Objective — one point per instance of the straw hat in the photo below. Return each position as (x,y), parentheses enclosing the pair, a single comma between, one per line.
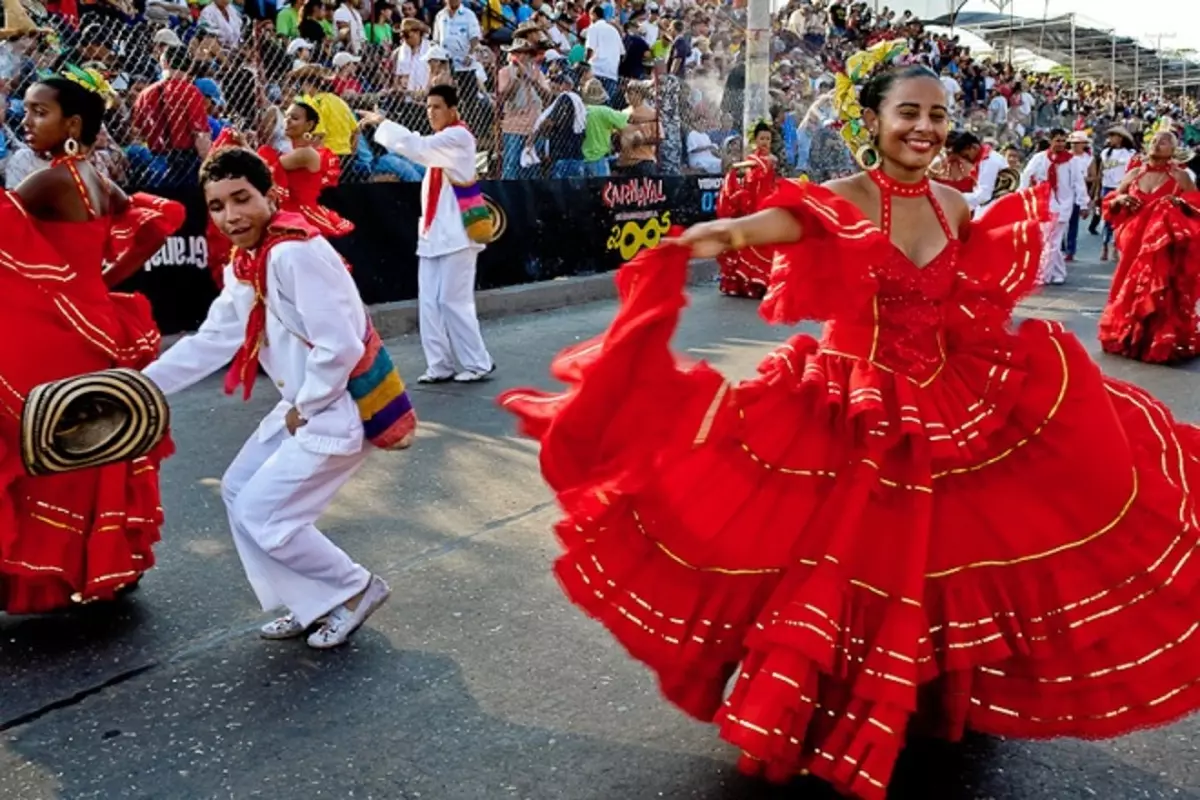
(594,93)
(1079,137)
(519,45)
(1123,132)
(17,22)
(413,24)
(91,420)
(303,71)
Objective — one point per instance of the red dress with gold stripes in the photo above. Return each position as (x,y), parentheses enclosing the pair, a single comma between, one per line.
(1151,311)
(79,536)
(746,273)
(861,536)
(300,191)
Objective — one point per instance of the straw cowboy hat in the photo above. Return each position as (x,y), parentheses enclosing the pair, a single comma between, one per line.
(1126,136)
(1079,137)
(413,24)
(17,22)
(594,93)
(91,420)
(520,45)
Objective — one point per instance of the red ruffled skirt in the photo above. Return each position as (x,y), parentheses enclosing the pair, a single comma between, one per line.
(1006,548)
(1151,310)
(80,536)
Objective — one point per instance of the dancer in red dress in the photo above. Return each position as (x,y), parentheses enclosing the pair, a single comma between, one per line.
(79,536)
(1151,311)
(746,273)
(860,537)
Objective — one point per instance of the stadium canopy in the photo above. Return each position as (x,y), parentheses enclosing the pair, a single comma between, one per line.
(1094,51)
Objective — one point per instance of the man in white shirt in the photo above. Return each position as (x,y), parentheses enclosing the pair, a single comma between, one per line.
(410,56)
(1068,189)
(456,28)
(446,274)
(290,306)
(1114,163)
(987,164)
(223,19)
(605,49)
(1081,160)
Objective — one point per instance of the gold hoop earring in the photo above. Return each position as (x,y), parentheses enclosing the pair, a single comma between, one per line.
(307,136)
(71,146)
(868,157)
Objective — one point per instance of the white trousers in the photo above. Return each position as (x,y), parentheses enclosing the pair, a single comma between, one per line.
(1056,265)
(274,491)
(449,327)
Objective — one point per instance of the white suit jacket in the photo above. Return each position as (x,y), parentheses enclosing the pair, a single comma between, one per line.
(452,150)
(985,186)
(1071,190)
(310,297)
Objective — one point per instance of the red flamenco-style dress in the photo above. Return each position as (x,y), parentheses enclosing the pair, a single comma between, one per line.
(861,536)
(746,273)
(297,191)
(79,536)
(1151,311)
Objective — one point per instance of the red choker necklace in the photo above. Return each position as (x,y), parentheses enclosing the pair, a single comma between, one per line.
(1159,167)
(890,186)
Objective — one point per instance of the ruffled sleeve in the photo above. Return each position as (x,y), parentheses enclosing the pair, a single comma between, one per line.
(1002,255)
(829,272)
(138,233)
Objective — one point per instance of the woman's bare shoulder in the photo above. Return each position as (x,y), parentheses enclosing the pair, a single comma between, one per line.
(44,192)
(958,213)
(856,188)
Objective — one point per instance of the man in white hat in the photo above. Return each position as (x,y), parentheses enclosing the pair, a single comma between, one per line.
(410,67)
(1082,160)
(446,254)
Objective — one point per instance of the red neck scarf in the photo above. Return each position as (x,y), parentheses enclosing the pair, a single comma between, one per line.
(1056,161)
(250,266)
(437,177)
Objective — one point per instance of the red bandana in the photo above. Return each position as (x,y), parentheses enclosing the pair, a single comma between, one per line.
(436,176)
(251,267)
(1056,161)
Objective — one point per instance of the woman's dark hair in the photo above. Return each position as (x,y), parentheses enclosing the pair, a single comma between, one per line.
(446,92)
(963,140)
(76,101)
(761,127)
(231,163)
(310,113)
(877,87)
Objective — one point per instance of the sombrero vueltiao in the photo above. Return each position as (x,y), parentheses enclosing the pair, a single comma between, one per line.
(91,420)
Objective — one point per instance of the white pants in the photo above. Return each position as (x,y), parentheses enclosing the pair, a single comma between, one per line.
(1055,270)
(274,491)
(449,327)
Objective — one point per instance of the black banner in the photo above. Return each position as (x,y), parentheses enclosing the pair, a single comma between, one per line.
(547,229)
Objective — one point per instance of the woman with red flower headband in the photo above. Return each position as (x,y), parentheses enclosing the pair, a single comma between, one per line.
(70,236)
(858,542)
(1151,310)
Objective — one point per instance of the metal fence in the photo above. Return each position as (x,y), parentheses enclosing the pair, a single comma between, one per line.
(529,120)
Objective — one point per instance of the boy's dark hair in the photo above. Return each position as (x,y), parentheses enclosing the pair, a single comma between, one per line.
(447,92)
(231,163)
(1057,132)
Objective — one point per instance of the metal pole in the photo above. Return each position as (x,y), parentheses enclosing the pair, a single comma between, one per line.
(1074,74)
(1162,89)
(758,63)
(1113,66)
(1137,71)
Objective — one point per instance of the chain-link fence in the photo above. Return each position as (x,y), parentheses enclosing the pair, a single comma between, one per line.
(535,112)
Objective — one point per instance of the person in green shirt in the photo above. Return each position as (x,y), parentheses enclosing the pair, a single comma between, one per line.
(601,123)
(287,22)
(379,29)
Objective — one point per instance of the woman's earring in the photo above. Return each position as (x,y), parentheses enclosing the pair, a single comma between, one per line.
(307,136)
(868,158)
(71,146)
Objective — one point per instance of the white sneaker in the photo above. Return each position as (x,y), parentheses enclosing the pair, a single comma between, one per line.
(431,377)
(342,622)
(474,375)
(283,628)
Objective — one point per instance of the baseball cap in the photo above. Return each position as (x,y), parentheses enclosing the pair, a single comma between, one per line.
(209,88)
(344,58)
(168,37)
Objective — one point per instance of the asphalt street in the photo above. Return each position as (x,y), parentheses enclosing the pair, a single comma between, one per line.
(478,681)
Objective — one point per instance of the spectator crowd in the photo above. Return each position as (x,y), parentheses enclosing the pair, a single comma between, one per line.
(550,89)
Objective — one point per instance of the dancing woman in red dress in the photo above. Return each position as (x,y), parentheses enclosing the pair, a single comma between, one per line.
(747,272)
(69,237)
(861,537)
(1151,311)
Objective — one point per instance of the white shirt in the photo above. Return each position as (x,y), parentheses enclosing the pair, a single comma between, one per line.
(998,110)
(413,65)
(228,29)
(1070,191)
(650,32)
(455,32)
(345,15)
(310,298)
(1113,166)
(1082,162)
(20,165)
(607,47)
(985,186)
(701,155)
(452,150)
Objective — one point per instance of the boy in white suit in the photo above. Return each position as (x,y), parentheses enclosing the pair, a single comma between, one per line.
(289,305)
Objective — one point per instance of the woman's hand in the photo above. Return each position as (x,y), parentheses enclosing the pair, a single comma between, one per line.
(709,239)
